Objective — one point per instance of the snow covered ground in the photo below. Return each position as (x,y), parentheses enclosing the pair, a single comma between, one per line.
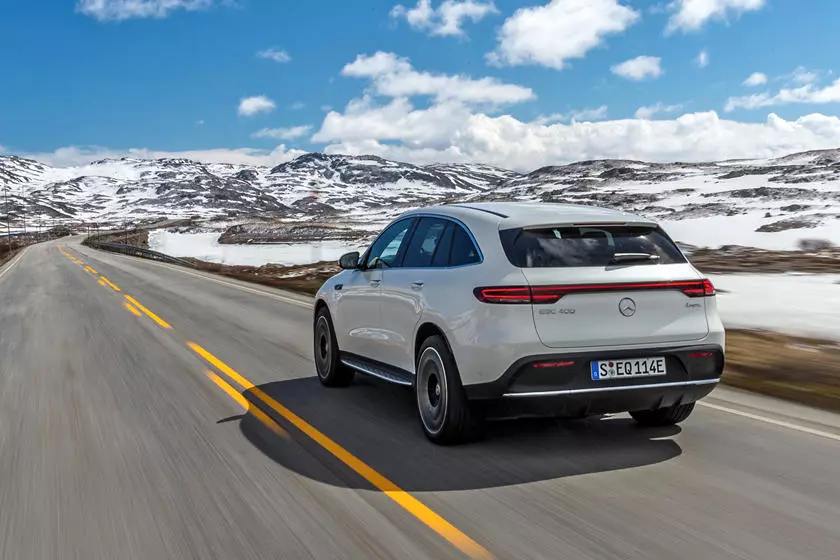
(798,304)
(204,246)
(716,231)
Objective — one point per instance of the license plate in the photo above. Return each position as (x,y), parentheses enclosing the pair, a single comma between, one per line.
(622,369)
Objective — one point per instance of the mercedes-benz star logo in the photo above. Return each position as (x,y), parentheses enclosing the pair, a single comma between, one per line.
(627,307)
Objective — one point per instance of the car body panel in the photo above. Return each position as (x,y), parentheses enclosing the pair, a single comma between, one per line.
(356,310)
(596,319)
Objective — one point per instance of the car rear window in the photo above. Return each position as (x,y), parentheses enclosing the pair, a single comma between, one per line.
(589,246)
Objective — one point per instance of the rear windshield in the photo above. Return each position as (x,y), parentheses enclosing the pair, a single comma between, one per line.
(589,246)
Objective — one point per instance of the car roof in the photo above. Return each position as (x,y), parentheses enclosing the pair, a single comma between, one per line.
(528,214)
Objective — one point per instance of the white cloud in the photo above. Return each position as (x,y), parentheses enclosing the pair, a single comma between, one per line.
(199,122)
(452,132)
(80,155)
(691,15)
(419,17)
(283,133)
(639,68)
(363,119)
(275,54)
(650,111)
(803,76)
(805,94)
(297,106)
(702,59)
(395,77)
(446,20)
(550,35)
(581,115)
(120,10)
(756,79)
(250,106)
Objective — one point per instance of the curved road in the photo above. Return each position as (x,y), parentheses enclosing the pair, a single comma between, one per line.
(122,435)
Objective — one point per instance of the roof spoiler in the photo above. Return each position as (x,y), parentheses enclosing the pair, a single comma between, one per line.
(639,223)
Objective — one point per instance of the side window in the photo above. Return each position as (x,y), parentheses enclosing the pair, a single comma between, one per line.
(387,246)
(444,247)
(424,243)
(464,250)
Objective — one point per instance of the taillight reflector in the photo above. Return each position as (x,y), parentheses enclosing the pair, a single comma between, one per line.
(552,364)
(701,355)
(551,294)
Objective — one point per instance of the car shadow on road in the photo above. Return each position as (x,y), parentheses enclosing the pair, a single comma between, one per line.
(377,423)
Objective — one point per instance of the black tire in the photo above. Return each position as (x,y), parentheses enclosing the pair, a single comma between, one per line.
(663,416)
(445,413)
(331,372)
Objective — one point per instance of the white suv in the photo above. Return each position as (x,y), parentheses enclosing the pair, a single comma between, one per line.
(506,310)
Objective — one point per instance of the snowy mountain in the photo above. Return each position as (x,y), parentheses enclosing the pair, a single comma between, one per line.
(770,203)
(313,184)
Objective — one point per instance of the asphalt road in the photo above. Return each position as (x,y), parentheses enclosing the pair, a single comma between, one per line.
(121,438)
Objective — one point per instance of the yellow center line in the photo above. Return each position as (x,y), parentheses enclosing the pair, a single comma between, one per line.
(132,309)
(151,315)
(246,404)
(110,284)
(101,283)
(220,365)
(408,502)
(91,269)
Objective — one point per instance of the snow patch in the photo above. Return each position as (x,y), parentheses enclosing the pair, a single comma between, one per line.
(205,246)
(803,305)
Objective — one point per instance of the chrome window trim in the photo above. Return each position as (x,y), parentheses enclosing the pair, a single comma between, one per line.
(364,255)
(419,215)
(607,389)
(457,222)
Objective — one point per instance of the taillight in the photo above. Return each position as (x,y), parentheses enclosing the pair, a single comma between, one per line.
(552,294)
(546,294)
(510,294)
(519,294)
(705,288)
(696,355)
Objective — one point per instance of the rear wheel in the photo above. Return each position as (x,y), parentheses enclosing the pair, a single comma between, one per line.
(445,412)
(663,416)
(331,372)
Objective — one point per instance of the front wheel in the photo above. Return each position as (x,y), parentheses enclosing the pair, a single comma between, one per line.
(445,413)
(663,416)
(331,372)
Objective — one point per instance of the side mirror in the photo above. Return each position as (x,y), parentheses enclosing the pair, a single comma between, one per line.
(349,261)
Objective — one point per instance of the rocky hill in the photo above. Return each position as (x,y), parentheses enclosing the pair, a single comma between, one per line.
(799,192)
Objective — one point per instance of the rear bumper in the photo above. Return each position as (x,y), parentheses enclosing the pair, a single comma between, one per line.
(568,390)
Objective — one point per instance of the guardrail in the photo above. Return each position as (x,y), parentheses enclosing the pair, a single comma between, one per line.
(137,252)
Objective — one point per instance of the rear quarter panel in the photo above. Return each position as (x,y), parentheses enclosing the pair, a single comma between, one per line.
(482,337)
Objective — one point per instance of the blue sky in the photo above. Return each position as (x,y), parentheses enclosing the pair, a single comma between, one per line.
(517,83)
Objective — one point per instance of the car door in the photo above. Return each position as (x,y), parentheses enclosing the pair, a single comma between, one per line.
(404,286)
(359,322)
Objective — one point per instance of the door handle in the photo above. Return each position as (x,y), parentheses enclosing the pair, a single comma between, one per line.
(375,283)
(417,285)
